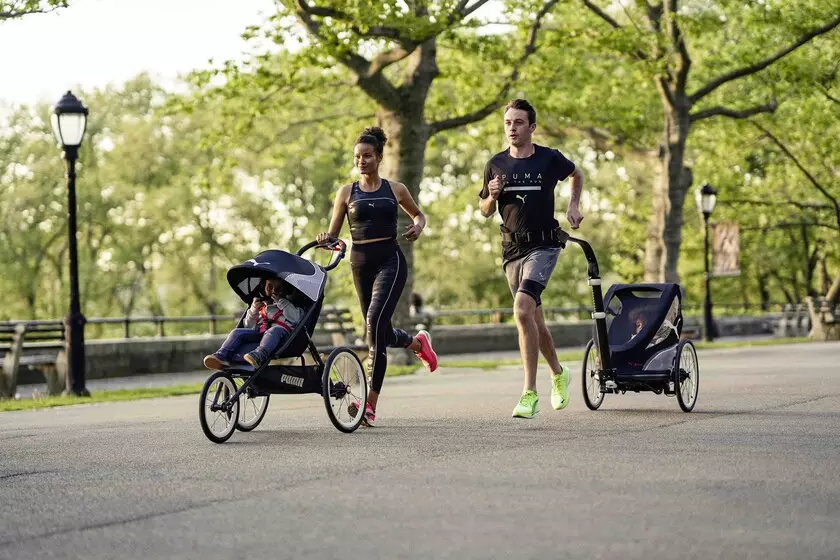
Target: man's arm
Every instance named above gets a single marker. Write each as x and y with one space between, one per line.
487 206
573 212
489 194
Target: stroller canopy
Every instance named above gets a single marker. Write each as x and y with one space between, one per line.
303 275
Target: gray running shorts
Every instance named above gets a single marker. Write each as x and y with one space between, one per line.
530 273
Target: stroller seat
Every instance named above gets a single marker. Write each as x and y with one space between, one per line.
299 344
644 325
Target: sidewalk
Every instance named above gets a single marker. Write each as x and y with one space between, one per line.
200 375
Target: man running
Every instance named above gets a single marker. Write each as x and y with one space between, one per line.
521 180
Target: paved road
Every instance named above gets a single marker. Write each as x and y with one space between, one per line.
752 473
200 374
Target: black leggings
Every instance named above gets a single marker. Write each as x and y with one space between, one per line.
379 272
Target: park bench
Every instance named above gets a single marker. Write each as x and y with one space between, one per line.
794 321
829 314
35 345
338 323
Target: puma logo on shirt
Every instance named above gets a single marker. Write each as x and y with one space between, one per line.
522 197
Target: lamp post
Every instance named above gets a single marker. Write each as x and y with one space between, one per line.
706 196
69 120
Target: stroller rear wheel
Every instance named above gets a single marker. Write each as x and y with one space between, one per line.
343 383
252 409
592 395
216 412
686 375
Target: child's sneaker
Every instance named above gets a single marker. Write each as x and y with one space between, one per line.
255 358
215 361
426 353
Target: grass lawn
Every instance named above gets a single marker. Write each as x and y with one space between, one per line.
135 394
101 396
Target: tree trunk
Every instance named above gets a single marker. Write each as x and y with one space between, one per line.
797 290
403 162
763 292
833 294
783 283
824 274
662 250
654 246
405 151
823 311
745 289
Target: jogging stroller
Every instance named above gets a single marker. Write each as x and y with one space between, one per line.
637 344
237 398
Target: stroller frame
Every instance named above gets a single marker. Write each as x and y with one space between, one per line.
229 397
680 380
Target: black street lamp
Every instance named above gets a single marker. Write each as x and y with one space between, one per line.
706 196
69 121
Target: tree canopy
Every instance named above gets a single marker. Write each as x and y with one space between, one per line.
174 188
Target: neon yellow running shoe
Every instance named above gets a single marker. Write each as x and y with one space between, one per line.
560 388
528 405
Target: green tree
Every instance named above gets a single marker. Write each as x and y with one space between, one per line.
703 60
391 52
11 9
33 194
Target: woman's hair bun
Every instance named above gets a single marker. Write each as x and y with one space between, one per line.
374 136
377 133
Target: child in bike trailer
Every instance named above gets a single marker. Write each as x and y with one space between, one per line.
266 322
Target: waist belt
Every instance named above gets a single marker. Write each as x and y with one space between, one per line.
555 234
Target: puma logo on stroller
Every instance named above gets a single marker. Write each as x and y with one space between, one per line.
291 380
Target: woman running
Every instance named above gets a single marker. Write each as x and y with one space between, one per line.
378 264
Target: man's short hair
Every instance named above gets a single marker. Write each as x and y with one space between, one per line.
523 105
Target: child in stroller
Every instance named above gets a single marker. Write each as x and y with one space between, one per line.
268 321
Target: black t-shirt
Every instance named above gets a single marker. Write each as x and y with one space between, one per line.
527 199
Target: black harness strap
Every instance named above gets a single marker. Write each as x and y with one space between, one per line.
555 234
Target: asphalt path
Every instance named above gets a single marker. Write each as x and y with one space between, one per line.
753 472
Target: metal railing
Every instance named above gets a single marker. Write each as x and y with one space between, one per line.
159 322
162 326
503 314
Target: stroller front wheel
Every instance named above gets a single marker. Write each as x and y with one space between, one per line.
343 384
216 412
252 409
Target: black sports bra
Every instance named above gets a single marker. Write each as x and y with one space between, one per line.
372 215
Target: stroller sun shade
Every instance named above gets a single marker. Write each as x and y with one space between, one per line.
303 275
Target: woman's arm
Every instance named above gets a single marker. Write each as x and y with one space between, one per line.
339 212
406 202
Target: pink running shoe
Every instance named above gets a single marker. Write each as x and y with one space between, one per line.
369 416
426 354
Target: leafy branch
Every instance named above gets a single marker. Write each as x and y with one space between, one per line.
477 115
762 64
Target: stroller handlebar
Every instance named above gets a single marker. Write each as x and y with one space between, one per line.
336 245
594 272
